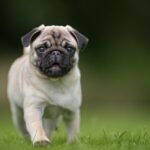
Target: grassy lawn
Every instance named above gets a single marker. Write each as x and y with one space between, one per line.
97 133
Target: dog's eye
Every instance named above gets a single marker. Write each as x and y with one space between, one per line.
70 48
42 47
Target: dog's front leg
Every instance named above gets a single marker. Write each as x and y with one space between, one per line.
33 119
72 122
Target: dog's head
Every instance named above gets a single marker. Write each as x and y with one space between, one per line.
54 50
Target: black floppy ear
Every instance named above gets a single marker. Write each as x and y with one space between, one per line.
31 36
82 40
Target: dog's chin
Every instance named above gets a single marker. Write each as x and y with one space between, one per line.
55 71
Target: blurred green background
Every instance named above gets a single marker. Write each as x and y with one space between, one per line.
115 66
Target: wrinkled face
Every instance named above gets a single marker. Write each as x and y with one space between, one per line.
54 51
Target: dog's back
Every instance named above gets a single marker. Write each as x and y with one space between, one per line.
16 72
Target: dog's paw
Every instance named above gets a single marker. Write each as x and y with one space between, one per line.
41 142
73 140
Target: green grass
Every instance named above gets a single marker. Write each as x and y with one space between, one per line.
97 133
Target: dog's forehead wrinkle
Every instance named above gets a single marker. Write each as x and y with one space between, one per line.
65 41
56 31
55 41
56 36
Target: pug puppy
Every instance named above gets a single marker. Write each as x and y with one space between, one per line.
44 83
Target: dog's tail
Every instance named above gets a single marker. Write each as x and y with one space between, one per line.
26 50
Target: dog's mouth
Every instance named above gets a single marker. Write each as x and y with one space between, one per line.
55 65
54 70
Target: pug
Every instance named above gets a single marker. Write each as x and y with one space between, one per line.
44 83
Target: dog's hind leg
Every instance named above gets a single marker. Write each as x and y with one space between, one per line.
18 119
50 125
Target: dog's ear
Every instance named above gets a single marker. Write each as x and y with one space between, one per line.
31 36
82 40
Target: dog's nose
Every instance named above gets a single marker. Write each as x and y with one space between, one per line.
56 56
56 53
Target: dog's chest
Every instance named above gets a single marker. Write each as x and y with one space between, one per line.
66 95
